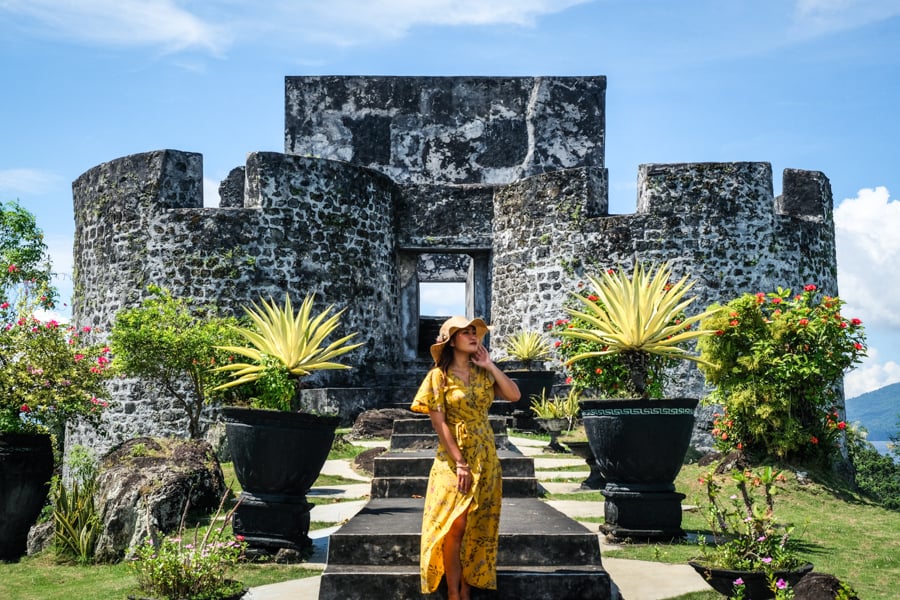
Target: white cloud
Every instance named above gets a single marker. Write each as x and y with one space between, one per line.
210 192
819 17
177 24
349 22
124 23
870 375
868 255
27 182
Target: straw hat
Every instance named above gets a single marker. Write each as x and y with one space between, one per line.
451 326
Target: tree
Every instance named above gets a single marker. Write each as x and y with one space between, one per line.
168 341
24 258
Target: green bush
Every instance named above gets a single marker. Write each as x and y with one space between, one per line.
877 475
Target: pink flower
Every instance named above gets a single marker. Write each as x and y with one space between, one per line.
12 268
4 306
781 584
766 559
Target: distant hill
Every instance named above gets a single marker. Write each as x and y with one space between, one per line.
878 411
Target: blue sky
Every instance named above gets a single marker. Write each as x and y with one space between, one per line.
808 84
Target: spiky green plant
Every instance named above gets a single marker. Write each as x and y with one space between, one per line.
637 316
285 343
528 346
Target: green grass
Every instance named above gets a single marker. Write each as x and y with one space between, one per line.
39 578
840 533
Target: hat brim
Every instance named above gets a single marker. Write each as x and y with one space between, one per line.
481 329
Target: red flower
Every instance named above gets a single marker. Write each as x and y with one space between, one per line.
593 298
813 439
843 325
12 268
719 332
734 323
804 322
598 370
857 345
760 298
5 305
776 300
854 321
809 288
842 425
568 380
24 408
557 344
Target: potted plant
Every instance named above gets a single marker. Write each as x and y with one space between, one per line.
47 377
555 415
527 350
777 361
622 335
277 451
753 554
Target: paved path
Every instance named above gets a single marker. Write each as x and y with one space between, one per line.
633 579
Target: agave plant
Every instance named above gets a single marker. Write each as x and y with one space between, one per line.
528 346
285 345
637 316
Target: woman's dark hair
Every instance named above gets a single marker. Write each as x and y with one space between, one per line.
447 354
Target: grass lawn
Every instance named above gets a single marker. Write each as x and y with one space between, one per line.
841 534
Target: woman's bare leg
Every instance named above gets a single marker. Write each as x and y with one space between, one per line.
457 588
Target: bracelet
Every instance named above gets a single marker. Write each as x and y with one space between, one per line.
462 466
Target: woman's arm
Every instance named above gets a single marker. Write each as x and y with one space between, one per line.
504 387
463 474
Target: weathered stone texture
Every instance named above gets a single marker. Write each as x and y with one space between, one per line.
391 181
449 129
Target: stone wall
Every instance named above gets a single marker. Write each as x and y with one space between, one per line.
389 182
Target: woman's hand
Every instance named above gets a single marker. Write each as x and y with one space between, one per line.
463 478
481 357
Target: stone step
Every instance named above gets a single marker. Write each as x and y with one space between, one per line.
417 463
541 554
561 582
409 487
422 425
387 531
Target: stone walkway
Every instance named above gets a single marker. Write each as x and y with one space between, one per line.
632 579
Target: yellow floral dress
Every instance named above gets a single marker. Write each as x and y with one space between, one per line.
466 412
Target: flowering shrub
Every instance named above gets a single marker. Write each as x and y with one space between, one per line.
625 331
777 362
46 374
602 375
190 569
748 536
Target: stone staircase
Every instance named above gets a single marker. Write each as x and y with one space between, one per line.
543 554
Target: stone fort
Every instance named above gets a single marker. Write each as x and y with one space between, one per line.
387 183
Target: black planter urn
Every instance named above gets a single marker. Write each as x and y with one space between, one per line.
277 457
640 446
26 465
532 384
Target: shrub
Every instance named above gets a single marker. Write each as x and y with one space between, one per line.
777 362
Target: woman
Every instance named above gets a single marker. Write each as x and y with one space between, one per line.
461 521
